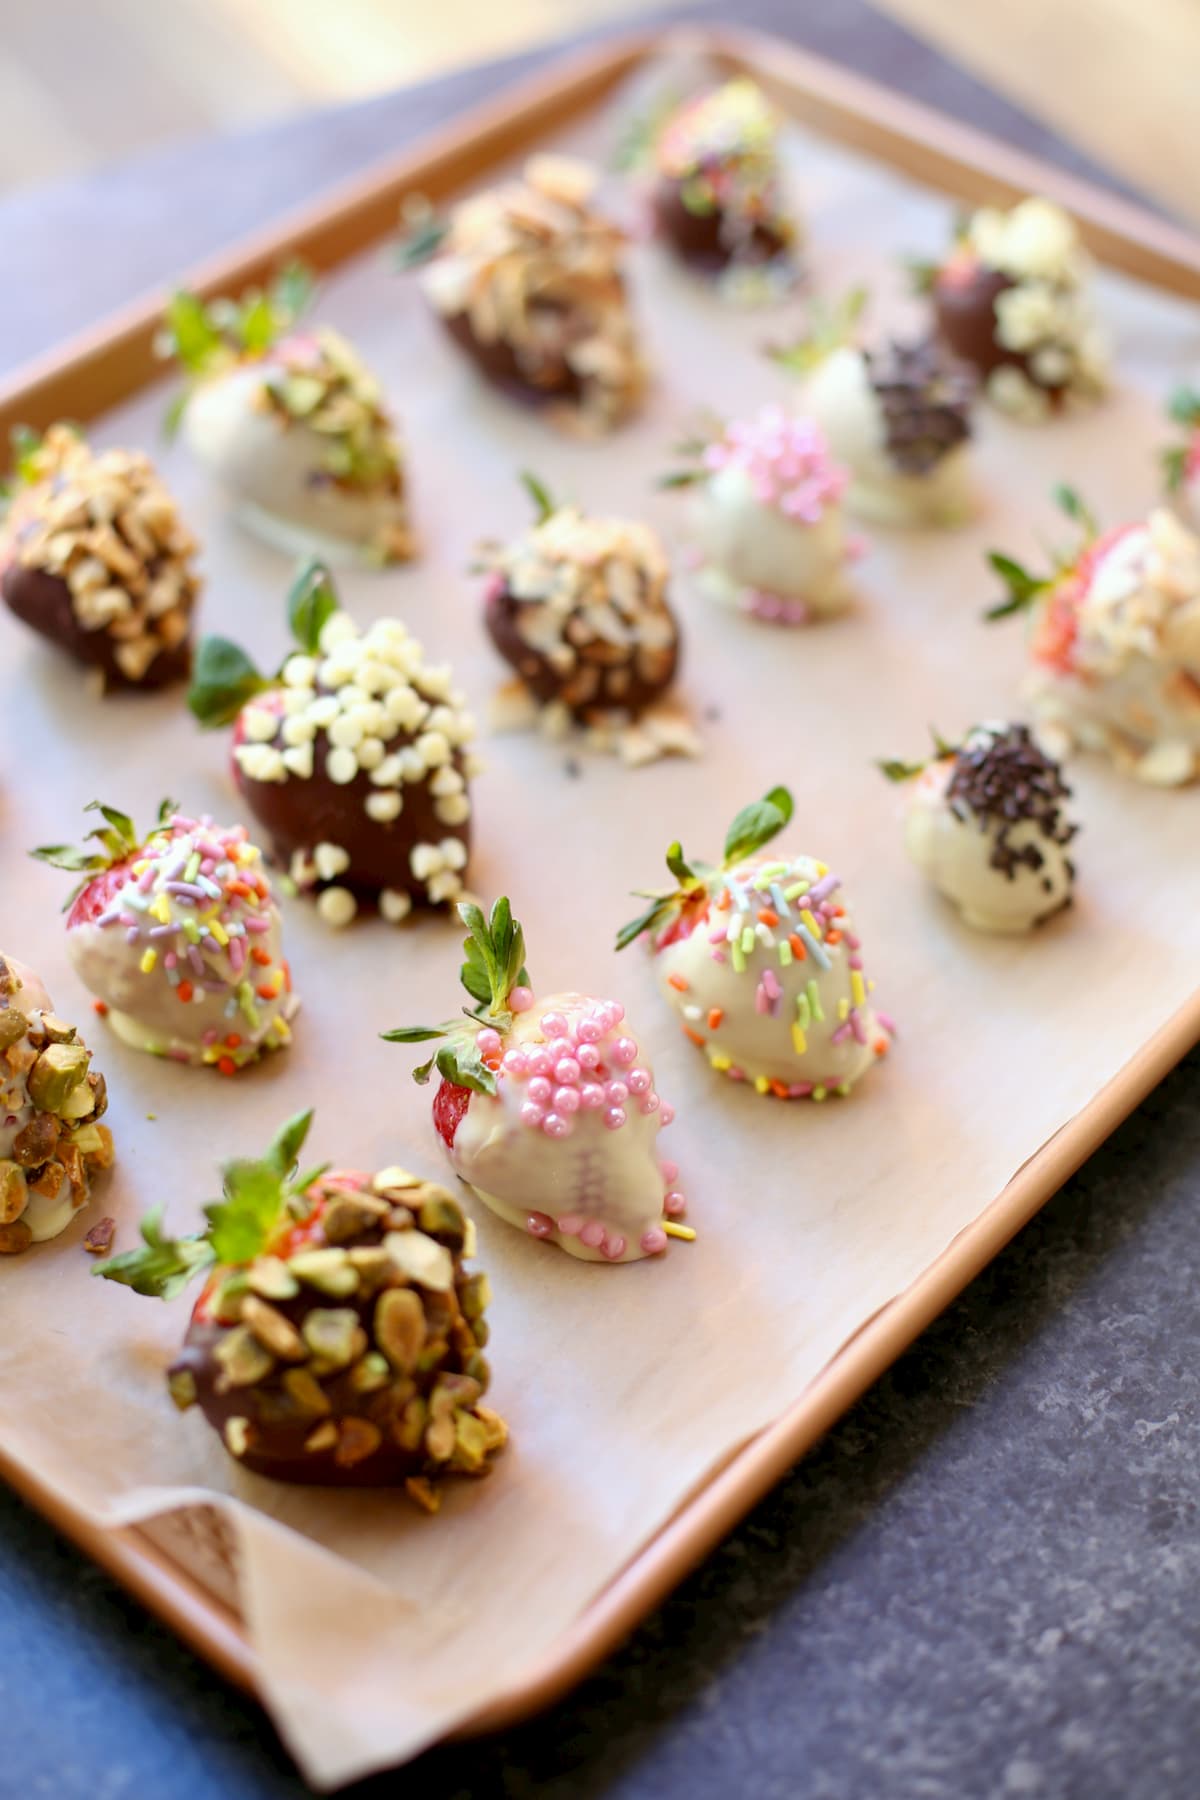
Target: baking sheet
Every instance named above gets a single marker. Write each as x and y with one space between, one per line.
376 1631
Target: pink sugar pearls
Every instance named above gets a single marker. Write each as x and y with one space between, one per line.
549 1110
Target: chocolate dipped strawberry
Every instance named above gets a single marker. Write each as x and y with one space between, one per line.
548 1109
95 558
1011 298
178 935
1114 643
354 757
758 957
338 1340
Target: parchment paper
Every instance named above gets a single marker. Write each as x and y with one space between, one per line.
376 1629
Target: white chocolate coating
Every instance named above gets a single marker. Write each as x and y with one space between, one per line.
955 854
233 995
840 397
751 547
1131 685
268 466
595 1173
797 1025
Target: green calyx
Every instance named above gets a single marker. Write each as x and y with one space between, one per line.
896 770
422 235
27 464
106 845
753 827
828 328
1184 408
224 679
1024 589
205 336
544 504
258 1194
494 964
707 429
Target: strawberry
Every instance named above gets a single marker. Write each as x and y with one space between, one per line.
381 1387
545 1109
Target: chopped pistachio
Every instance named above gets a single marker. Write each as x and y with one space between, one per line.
421 1258
58 1071
329 1271
409 1429
357 1439
322 1437
37 1141
15 1238
441 1216
13 1026
330 1333
370 1373
181 1385
440 1438
423 1493
474 1295
394 1180
242 1358
479 1369
308 1394
87 1140
400 1327
272 1329
237 1436
471 1442
494 1425
14 1194
57 1030
271 1277
349 1215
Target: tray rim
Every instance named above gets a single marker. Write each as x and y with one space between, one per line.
112 359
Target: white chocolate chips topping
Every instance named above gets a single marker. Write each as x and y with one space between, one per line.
383 713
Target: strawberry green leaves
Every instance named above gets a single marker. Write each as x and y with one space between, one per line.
223 681
753 827
1022 588
311 603
828 328
424 231
257 1195
757 824
203 335
223 677
493 965
115 841
895 770
1179 460
544 504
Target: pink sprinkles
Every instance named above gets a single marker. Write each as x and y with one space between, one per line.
787 460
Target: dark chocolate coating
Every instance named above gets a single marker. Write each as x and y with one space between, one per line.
553 380
280 1426
965 313
699 239
621 686
43 602
299 814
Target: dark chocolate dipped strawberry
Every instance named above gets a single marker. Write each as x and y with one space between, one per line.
547 1108
354 758
95 558
527 279
338 1340
718 191
578 607
291 421
178 935
1011 299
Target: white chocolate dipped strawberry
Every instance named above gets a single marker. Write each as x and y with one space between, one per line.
179 936
1115 643
758 957
547 1108
291 422
767 518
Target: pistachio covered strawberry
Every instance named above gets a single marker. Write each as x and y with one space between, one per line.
1114 642
338 1339
758 957
354 757
178 935
51 1101
290 421
548 1108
